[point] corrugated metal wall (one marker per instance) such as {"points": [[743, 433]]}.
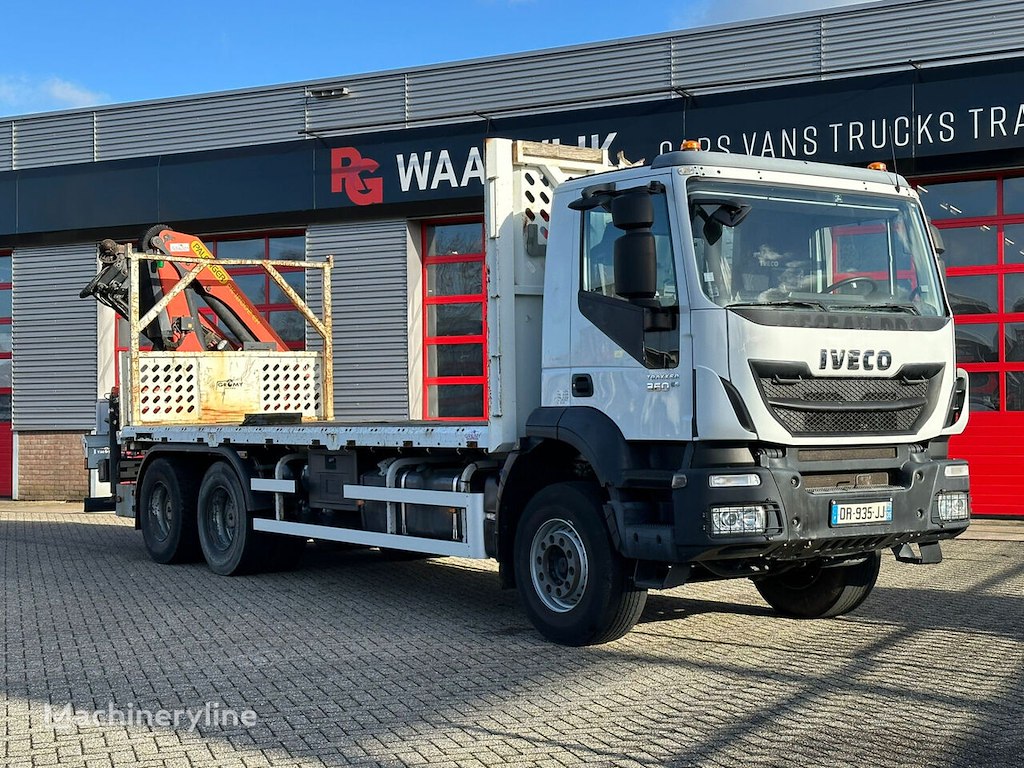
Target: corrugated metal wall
{"points": [[864, 39], [6, 145], [54, 339], [53, 140], [370, 316]]}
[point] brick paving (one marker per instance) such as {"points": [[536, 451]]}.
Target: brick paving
{"points": [[361, 659]]}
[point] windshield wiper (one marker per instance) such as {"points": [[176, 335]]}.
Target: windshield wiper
{"points": [[909, 309], [792, 303]]}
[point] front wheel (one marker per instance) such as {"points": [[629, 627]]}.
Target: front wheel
{"points": [[575, 587], [815, 592]]}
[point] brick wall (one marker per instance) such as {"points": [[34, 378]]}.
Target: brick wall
{"points": [[51, 466]]}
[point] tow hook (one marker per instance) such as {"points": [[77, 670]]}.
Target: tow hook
{"points": [[930, 553]]}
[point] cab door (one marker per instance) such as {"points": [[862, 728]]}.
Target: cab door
{"points": [[632, 359]]}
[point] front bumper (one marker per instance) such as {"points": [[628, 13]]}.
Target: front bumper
{"points": [[797, 500]]}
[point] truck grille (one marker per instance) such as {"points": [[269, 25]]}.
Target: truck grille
{"points": [[808, 405]]}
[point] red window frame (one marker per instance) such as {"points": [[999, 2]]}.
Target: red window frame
{"points": [[999, 269], [267, 308], [6, 321], [472, 298]]}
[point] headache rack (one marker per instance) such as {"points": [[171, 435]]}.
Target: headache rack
{"points": [[231, 386]]}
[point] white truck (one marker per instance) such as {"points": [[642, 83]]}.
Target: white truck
{"points": [[713, 366]]}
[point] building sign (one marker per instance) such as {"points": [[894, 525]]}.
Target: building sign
{"points": [[927, 120]]}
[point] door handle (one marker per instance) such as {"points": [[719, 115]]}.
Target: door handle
{"points": [[582, 385]]}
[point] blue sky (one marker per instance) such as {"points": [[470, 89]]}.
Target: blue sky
{"points": [[61, 54]]}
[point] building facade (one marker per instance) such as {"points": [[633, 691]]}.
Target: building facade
{"points": [[384, 171]]}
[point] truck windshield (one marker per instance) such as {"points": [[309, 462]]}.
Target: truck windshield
{"points": [[823, 250]]}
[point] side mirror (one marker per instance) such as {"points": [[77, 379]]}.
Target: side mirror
{"points": [[937, 243], [636, 258]]}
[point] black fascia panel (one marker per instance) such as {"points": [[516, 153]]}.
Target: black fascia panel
{"points": [[8, 204], [265, 179], [87, 195]]}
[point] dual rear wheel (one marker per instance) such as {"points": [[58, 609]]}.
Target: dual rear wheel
{"points": [[181, 517]]}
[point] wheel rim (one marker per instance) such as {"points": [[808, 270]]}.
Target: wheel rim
{"points": [[222, 519], [558, 565], [160, 511]]}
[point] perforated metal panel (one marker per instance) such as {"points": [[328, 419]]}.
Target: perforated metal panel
{"points": [[223, 387], [370, 316]]}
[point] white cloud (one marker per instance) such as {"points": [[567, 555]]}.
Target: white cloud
{"points": [[21, 94]]}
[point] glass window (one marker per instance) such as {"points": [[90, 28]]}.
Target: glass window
{"points": [[984, 391], [969, 246], [291, 248], [451, 360], [5, 407], [452, 239], [242, 249], [1013, 244], [290, 325], [455, 319], [455, 278], [295, 278], [5, 338], [972, 294], [5, 302], [455, 383], [253, 286], [456, 401], [959, 199], [5, 268], [794, 248], [1014, 337], [599, 235], [1013, 195], [977, 343], [1015, 391], [1013, 298]]}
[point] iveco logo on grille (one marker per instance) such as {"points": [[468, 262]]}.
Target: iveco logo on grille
{"points": [[855, 360]]}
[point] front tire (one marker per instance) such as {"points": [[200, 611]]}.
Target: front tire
{"points": [[575, 587], [815, 592], [230, 545], [167, 513]]}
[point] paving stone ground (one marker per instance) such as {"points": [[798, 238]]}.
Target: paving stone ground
{"points": [[362, 659]]}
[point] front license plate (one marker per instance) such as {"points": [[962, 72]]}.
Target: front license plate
{"points": [[861, 512]]}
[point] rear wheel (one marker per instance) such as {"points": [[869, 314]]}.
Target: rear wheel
{"points": [[575, 587], [815, 592], [229, 543], [167, 513]]}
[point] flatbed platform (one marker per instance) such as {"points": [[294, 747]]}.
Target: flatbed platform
{"points": [[332, 435]]}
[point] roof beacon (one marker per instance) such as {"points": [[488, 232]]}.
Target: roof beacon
{"points": [[690, 145], [876, 166]]}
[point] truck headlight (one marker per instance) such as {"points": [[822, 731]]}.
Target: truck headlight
{"points": [[953, 506], [738, 519]]}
